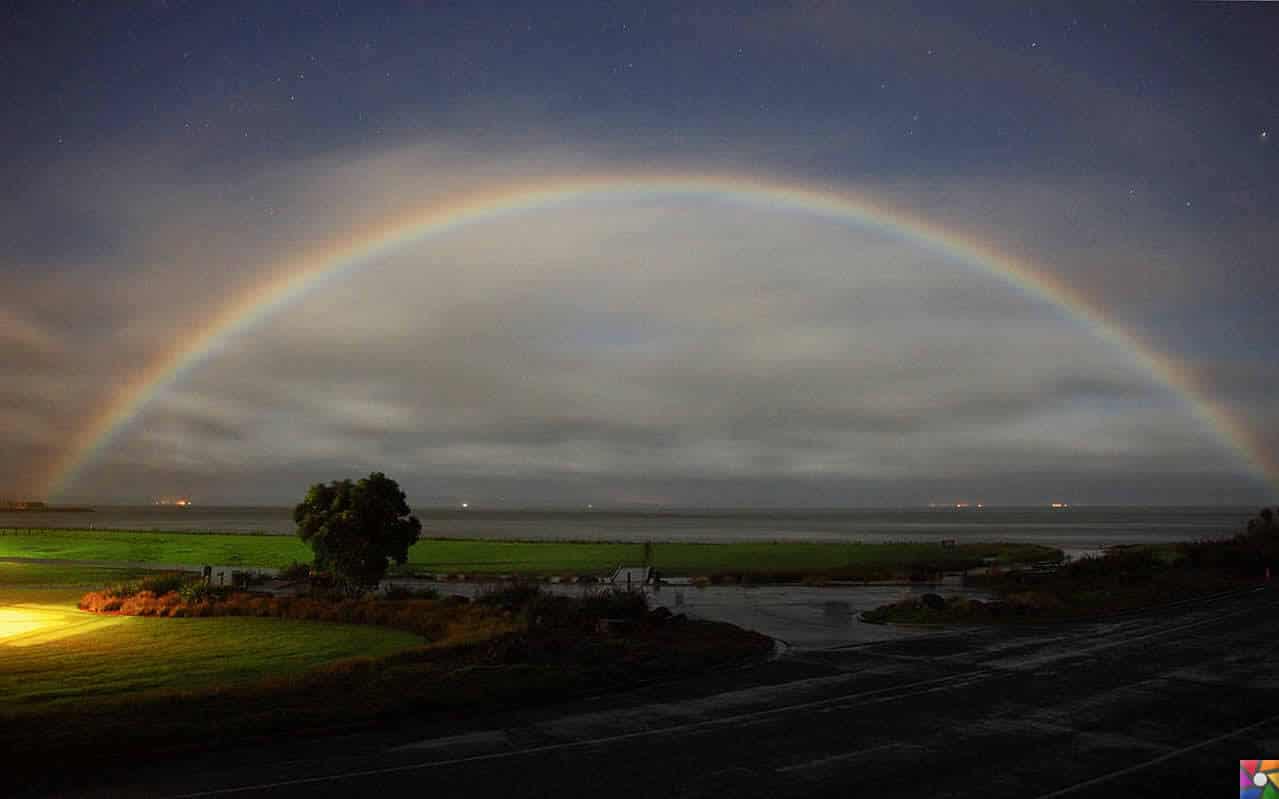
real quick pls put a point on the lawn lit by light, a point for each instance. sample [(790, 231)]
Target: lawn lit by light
[(54, 655), (29, 624)]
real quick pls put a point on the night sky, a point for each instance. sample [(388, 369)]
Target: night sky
[(160, 161)]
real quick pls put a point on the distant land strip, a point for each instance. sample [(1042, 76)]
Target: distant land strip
[(471, 557), (21, 506)]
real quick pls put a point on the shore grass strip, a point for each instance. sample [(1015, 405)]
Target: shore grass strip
[(533, 558)]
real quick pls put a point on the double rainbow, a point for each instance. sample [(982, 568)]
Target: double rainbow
[(291, 279)]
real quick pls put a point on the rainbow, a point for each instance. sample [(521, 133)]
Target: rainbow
[(337, 257)]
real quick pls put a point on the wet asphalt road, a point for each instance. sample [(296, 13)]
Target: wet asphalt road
[(1156, 704)]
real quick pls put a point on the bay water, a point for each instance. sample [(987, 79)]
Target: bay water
[(1074, 529)]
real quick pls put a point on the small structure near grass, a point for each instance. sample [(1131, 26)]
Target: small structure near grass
[(228, 576), (632, 578)]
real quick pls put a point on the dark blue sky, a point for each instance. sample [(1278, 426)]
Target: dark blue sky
[(1127, 147), (1013, 88)]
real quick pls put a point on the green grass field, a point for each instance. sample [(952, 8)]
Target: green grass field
[(145, 547), (469, 556), (54, 655), (84, 691)]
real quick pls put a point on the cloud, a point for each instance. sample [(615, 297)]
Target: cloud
[(616, 342), (624, 341)]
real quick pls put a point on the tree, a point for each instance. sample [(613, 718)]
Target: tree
[(356, 528), (1263, 523)]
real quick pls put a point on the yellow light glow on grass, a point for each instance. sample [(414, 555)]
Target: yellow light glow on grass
[(14, 622), (32, 624)]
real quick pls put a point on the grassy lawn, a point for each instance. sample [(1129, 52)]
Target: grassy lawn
[(521, 557), (144, 547), (38, 576), (87, 690), (470, 556), (695, 559), (53, 655)]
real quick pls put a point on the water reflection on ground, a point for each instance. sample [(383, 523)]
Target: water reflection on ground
[(802, 616), (809, 617)]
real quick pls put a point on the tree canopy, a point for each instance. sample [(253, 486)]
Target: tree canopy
[(356, 528)]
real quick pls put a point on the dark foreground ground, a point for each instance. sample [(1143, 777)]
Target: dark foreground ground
[(1160, 703)]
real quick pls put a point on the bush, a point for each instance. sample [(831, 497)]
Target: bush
[(193, 592), (296, 571), (615, 604), (405, 592), (121, 590), (1247, 555), (160, 584), (515, 596), (553, 611), (933, 601), (1116, 562), (157, 584), (1036, 601)]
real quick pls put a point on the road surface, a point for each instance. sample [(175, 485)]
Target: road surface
[(1160, 703)]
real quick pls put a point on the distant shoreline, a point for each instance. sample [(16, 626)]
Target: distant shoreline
[(44, 509)]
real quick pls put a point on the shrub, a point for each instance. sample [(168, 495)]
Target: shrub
[(160, 584), (199, 591), (121, 590), (157, 584), (553, 610), (515, 596), (614, 604), (1116, 562), (296, 571), (1246, 555), (405, 592), (1036, 601)]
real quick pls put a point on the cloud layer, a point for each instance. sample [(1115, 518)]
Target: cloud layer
[(165, 161), (617, 350)]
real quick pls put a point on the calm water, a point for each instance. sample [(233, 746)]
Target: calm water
[(804, 616), (1074, 529)]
